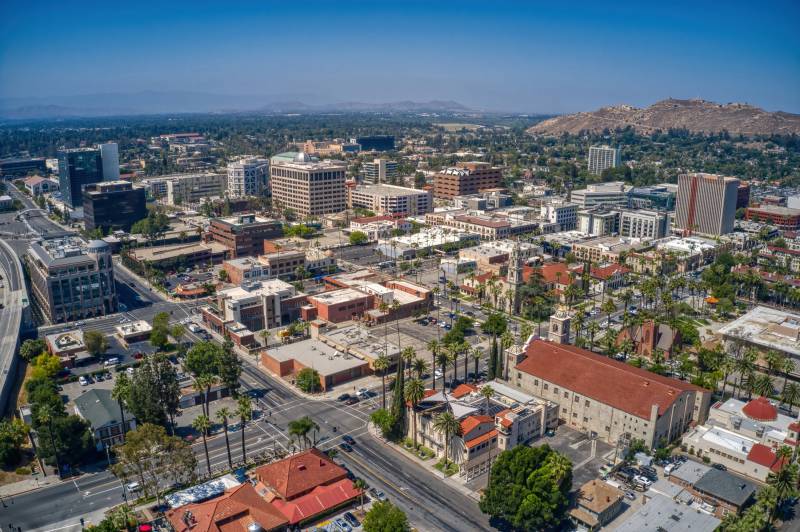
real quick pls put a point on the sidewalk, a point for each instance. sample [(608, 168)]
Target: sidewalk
[(33, 482)]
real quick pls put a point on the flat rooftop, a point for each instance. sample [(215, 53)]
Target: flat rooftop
[(690, 245), (335, 297), (388, 190), (267, 286), (177, 250), (315, 354), (358, 338), (768, 328), (665, 515)]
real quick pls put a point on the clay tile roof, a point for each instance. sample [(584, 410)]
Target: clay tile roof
[(297, 474), (762, 455), (470, 423), (760, 409), (795, 426), (480, 439), (607, 271), (462, 390), (555, 271), (321, 500), (622, 386)]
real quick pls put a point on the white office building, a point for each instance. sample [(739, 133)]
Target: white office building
[(603, 157), (379, 171), (613, 193), (248, 176), (643, 224), (563, 213), (389, 199)]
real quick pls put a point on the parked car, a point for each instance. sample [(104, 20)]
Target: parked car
[(437, 373), (343, 397), (720, 467), (113, 361), (132, 486), (342, 524), (351, 520), (352, 401), (83, 381), (669, 468), (346, 447)]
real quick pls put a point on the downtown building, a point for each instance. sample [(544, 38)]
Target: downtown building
[(113, 205), (307, 186), (602, 158), (379, 171), (248, 176), (83, 166), (183, 189), (706, 204), (611, 194), (389, 199), (465, 179), (244, 235), (72, 280)]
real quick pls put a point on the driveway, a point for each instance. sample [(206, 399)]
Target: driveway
[(586, 461)]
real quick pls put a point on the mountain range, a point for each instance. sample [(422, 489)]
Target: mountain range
[(697, 116), (154, 102)]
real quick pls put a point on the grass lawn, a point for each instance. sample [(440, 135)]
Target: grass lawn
[(450, 469)]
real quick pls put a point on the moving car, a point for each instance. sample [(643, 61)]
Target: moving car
[(132, 486), (351, 401), (113, 361), (349, 439), (346, 447), (343, 397)]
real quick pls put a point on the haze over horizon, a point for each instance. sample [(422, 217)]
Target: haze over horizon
[(525, 57)]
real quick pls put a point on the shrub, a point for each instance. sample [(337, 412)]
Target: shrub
[(23, 471)]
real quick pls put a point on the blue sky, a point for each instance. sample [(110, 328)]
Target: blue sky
[(521, 56)]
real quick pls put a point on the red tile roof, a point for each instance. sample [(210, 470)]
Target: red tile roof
[(234, 510), (470, 423), (480, 439), (622, 386), (760, 409), (765, 456), (321, 500), (300, 473), (463, 389), (553, 272), (607, 271)]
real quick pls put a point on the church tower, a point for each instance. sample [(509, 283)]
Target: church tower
[(560, 326), (514, 277)]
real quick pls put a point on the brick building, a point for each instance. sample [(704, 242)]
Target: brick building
[(466, 178), (244, 235)]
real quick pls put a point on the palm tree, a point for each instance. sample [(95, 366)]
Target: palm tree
[(447, 425), (223, 414), (199, 385), (201, 423), (433, 347), (46, 415), (299, 428), (414, 393), (452, 357), (244, 409), (762, 385), (609, 308), (395, 308), (784, 481), (442, 359), (593, 328), (791, 394), (408, 353), (745, 365), (361, 486), (382, 364), (477, 355), (464, 348), (420, 367), (265, 334), (383, 307), (487, 392), (577, 323), (559, 466), (120, 394)]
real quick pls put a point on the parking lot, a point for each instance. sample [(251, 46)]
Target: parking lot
[(577, 446)]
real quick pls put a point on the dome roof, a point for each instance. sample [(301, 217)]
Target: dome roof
[(760, 409), (302, 157), (97, 245)]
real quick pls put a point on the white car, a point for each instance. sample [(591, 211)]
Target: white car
[(437, 373), (132, 486), (82, 381)]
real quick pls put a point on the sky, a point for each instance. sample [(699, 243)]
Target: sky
[(548, 57)]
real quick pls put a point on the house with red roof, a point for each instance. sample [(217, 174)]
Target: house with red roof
[(238, 510), (609, 277), (615, 400), (305, 486)]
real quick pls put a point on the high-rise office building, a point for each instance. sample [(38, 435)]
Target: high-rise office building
[(76, 169), (389, 199), (466, 178), (72, 280), (113, 205), (375, 142), (379, 171), (643, 223), (706, 203), (308, 186), (109, 153), (248, 176), (602, 158)]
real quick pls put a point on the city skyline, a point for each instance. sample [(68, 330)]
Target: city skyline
[(518, 57)]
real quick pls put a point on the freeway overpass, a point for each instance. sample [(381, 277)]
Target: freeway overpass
[(13, 316)]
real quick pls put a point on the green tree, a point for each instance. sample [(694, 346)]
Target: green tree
[(159, 335), (382, 419), (398, 406), (385, 517), (203, 358), (201, 424), (448, 426), (358, 238), (96, 343), (30, 349), (69, 436), (528, 488), (414, 393), (381, 365), (121, 394), (244, 409), (13, 433), (223, 415), (495, 324), (300, 428), (308, 380), (229, 367)]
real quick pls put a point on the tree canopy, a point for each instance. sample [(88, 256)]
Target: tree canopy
[(385, 517)]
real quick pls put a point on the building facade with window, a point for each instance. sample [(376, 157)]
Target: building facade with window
[(307, 186), (113, 205)]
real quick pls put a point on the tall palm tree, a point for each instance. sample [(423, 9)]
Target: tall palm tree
[(414, 392), (361, 486), (383, 307), (745, 365), (223, 414), (477, 355), (382, 364), (433, 347), (419, 366), (300, 428), (201, 423), (199, 385), (784, 481), (791, 394), (395, 308), (244, 409), (609, 308), (463, 348), (442, 359), (487, 392), (452, 357), (593, 329), (120, 393), (448, 426), (408, 353), (762, 385)]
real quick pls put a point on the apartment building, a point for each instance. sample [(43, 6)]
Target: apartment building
[(377, 227), (113, 205), (561, 212), (244, 235), (486, 227), (612, 194), (706, 204), (184, 189), (615, 400), (307, 186), (72, 280), (645, 224), (602, 158), (389, 199), (598, 221), (465, 179), (248, 176), (604, 249), (379, 171)]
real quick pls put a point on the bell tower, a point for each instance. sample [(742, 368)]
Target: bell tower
[(514, 277), (559, 329)]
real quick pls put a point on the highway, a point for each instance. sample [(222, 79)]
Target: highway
[(15, 302)]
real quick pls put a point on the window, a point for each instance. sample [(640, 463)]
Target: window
[(576, 397), (574, 414)]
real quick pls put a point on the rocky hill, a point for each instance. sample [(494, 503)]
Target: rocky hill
[(698, 116)]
